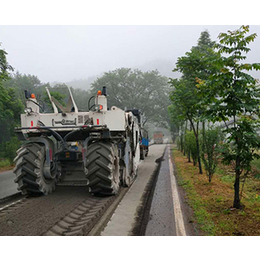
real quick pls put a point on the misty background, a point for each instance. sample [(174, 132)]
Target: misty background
[(77, 55)]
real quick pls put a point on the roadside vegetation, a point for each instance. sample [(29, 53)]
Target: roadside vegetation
[(218, 101), (212, 201), (214, 120)]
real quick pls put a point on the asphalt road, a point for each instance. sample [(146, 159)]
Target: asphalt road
[(162, 216), (162, 220), (7, 185), (169, 214), (35, 216)]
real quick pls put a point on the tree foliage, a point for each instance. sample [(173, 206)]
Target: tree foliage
[(5, 67), (191, 146), (185, 95), (232, 96), (57, 95), (128, 88), (209, 149), (10, 109)]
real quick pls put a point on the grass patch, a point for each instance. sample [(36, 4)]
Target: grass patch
[(202, 217), (256, 163), (212, 202), (4, 163)]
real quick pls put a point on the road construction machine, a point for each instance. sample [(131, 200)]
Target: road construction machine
[(99, 149)]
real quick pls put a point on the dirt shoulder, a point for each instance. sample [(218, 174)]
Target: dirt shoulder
[(189, 217), (211, 203)]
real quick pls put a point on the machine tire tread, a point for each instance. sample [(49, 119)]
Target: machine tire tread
[(102, 168), (29, 170)]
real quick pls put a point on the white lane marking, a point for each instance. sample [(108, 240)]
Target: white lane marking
[(11, 204), (179, 223)]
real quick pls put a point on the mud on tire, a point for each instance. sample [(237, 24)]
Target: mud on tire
[(29, 170), (103, 168)]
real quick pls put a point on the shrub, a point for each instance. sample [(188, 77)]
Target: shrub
[(191, 146), (8, 149), (4, 162), (209, 148)]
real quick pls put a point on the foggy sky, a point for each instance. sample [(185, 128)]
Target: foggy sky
[(65, 53)]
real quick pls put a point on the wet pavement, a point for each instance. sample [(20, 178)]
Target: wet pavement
[(161, 219), (7, 185)]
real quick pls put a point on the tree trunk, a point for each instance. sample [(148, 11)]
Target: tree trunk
[(198, 151), (181, 143), (198, 148), (185, 130), (189, 157), (203, 131), (196, 133), (236, 203)]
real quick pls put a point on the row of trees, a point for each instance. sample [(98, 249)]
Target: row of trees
[(10, 109), (210, 140), (215, 88)]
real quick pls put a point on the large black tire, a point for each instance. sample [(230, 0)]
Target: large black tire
[(103, 168), (29, 162)]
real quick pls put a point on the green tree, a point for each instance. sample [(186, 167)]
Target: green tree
[(10, 109), (5, 67), (57, 95), (147, 91), (209, 150), (205, 44), (191, 146), (81, 98), (195, 64), (20, 82), (176, 123), (233, 96)]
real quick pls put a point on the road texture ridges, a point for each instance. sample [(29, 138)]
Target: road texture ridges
[(81, 219), (73, 211), (12, 205), (67, 211)]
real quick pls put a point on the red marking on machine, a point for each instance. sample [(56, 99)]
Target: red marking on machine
[(97, 121), (50, 153), (31, 123), (83, 153)]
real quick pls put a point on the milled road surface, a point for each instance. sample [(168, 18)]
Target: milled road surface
[(7, 185), (161, 218), (73, 211), (34, 216), (169, 213)]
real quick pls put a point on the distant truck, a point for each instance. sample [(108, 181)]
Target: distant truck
[(158, 137)]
